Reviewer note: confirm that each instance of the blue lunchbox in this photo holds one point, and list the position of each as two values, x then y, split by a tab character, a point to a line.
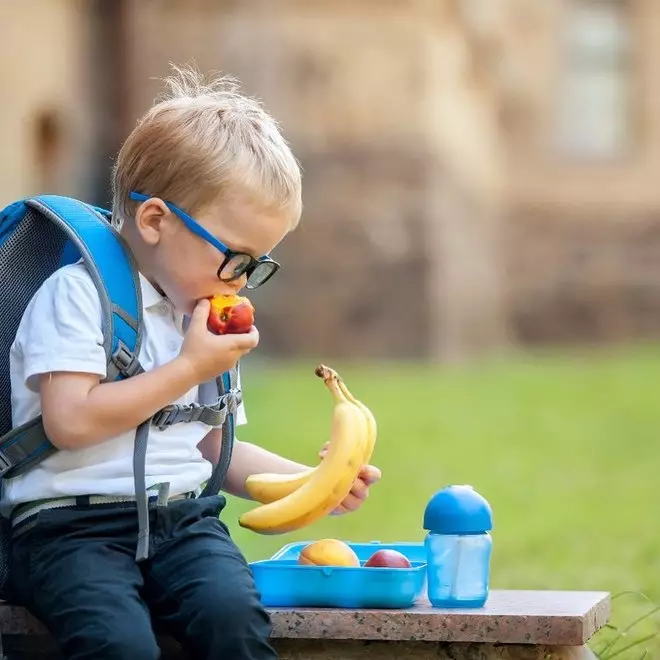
282	582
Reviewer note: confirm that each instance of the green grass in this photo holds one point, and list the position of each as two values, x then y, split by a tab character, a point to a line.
565	447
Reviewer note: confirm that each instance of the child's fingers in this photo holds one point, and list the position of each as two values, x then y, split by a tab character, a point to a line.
246	341
200	314
370	474
242	342
360	490
350	503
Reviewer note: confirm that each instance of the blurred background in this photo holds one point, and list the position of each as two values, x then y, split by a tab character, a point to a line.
479	253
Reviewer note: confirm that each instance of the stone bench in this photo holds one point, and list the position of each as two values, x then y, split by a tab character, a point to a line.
525	625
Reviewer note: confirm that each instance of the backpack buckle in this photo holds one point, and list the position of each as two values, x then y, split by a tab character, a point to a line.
5	464
176	413
126	361
164	417
233	398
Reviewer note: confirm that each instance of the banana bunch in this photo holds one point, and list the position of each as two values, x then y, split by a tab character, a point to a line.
291	501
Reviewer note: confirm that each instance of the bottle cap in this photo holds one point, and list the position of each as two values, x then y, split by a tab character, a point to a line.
458	510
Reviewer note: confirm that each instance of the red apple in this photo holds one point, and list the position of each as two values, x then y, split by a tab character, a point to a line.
388	559
230	315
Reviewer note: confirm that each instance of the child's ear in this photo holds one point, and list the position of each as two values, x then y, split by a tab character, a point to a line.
150	218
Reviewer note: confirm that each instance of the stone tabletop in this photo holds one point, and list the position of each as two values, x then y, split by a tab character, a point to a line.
561	618
554	618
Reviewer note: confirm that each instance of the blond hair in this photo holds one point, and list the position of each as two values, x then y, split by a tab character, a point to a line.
202	143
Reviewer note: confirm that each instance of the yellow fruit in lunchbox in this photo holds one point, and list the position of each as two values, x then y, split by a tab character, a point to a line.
328	552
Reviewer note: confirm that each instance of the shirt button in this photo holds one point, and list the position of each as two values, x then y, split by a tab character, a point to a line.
172	345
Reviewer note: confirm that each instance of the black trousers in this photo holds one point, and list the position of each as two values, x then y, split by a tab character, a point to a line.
75	570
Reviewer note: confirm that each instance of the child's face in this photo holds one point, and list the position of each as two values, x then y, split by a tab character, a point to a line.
186	266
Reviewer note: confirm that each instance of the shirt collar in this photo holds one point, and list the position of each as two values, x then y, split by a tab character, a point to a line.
150	297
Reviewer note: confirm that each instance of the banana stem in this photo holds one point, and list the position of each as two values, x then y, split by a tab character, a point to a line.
327	372
331	380
324	372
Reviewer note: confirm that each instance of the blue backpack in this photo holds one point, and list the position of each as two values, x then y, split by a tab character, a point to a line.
38	235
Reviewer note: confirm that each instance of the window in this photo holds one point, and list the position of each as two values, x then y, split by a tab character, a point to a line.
595	89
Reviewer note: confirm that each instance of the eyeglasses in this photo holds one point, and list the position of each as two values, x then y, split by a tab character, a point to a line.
235	264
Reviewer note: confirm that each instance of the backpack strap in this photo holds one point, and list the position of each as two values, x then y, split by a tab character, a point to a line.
215	404
226	396
23	448
216	399
140	477
227	384
114	274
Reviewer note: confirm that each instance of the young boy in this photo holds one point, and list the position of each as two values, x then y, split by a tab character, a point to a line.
208	153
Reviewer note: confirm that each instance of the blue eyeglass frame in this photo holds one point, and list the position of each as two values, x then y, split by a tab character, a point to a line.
196	228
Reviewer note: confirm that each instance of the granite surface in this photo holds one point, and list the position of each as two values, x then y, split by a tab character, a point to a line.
296	649
563	618
43	648
549	618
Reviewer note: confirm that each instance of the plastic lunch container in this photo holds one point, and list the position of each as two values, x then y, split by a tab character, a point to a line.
282	582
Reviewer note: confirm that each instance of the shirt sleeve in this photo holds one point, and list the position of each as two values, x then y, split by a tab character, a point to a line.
61	327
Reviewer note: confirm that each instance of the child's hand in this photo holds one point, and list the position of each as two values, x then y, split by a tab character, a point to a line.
368	475
209	354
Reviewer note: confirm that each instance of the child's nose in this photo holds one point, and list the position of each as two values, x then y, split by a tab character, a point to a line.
238	283
233	287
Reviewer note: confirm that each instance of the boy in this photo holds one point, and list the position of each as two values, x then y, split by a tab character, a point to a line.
204	154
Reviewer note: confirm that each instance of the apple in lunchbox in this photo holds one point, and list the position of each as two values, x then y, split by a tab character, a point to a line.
387	558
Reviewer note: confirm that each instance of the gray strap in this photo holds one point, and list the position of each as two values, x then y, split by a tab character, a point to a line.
213	415
233	379
24	447
214	484
139	469
216	414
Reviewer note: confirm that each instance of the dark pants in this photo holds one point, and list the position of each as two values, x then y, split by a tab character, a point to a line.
76	571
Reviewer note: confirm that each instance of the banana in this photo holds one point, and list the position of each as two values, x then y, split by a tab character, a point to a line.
371	421
269	486
330	482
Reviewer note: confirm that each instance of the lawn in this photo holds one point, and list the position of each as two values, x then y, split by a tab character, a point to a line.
564	446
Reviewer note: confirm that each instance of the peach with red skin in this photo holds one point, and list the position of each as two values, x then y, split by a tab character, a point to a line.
230	315
388	559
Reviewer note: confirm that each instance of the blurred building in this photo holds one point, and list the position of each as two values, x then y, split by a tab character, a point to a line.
477	172
583	161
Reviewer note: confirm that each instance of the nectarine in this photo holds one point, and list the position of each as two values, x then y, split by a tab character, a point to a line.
388	559
230	315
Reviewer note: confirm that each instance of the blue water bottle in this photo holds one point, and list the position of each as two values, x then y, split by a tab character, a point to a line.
458	547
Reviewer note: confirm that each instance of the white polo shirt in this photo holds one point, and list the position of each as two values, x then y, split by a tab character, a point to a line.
61	331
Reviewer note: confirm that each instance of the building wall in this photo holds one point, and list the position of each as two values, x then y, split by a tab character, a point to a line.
441	217
396	255
584	222
45	124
